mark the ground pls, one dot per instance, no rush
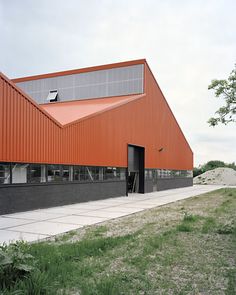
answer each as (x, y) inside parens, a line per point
(187, 247)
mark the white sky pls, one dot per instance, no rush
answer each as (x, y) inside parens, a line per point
(187, 43)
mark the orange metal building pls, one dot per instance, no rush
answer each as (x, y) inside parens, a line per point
(90, 133)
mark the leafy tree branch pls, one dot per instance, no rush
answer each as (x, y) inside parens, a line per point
(225, 89)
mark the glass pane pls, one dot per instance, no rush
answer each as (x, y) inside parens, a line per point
(54, 173)
(65, 173)
(122, 173)
(109, 173)
(36, 173)
(19, 173)
(4, 173)
(76, 172)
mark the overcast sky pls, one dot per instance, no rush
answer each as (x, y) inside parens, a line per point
(187, 43)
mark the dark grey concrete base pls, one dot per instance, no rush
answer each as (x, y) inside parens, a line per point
(169, 183)
(148, 186)
(18, 198)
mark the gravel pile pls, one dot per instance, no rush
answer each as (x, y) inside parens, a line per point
(223, 176)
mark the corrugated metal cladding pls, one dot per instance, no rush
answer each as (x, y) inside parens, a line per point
(95, 84)
(29, 135)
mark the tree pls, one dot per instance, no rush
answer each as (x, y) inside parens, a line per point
(213, 164)
(225, 89)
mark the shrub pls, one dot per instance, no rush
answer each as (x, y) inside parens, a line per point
(15, 263)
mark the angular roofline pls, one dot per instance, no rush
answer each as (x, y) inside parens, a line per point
(148, 68)
(78, 71)
(120, 104)
(53, 119)
(27, 97)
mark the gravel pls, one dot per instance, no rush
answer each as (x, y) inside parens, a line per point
(221, 176)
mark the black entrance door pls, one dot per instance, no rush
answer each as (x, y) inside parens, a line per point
(135, 169)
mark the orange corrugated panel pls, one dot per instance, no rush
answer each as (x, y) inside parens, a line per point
(96, 134)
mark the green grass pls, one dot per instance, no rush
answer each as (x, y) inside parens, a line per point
(173, 249)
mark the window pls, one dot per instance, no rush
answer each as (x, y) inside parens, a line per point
(122, 174)
(94, 173)
(41, 173)
(19, 173)
(82, 173)
(52, 95)
(54, 173)
(5, 173)
(109, 173)
(36, 173)
(65, 172)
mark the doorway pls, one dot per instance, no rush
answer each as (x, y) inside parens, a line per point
(135, 179)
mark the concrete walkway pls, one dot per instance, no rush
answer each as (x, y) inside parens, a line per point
(44, 223)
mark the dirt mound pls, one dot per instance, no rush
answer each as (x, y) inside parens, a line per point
(223, 176)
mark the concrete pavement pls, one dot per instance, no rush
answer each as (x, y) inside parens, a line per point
(44, 223)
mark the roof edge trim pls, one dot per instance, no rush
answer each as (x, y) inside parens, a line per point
(27, 97)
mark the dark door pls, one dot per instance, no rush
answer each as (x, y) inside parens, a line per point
(135, 169)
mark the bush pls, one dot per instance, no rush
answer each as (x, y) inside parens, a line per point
(15, 263)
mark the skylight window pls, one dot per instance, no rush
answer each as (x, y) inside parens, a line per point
(52, 95)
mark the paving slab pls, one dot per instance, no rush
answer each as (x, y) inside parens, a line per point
(64, 211)
(85, 206)
(42, 223)
(7, 236)
(141, 204)
(79, 219)
(6, 222)
(105, 215)
(45, 228)
(34, 215)
(122, 209)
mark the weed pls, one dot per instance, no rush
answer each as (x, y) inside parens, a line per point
(183, 227)
(15, 263)
(36, 284)
(226, 229)
(231, 289)
(190, 217)
(208, 225)
(98, 231)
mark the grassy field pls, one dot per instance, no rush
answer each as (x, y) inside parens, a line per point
(187, 247)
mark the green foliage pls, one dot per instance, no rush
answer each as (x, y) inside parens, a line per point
(190, 217)
(213, 165)
(183, 227)
(197, 171)
(231, 275)
(226, 89)
(106, 286)
(15, 263)
(209, 225)
(187, 223)
(226, 229)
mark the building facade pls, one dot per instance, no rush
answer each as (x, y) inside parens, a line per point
(87, 134)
